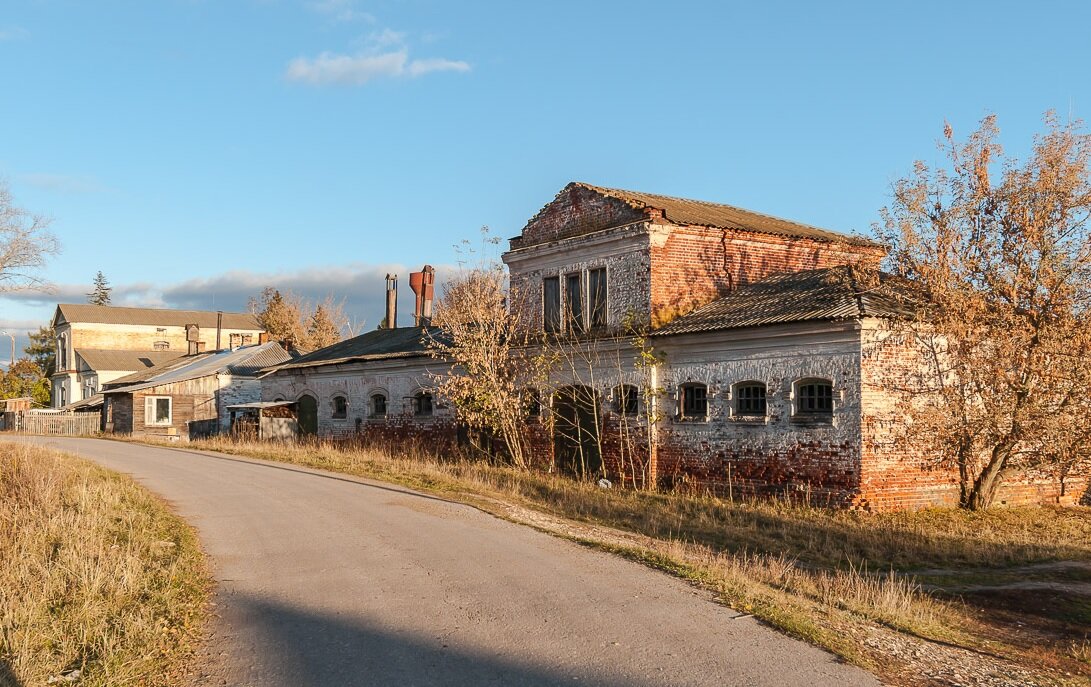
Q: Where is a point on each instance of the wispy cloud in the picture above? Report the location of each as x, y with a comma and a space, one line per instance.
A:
63, 183
13, 33
361, 286
385, 55
342, 11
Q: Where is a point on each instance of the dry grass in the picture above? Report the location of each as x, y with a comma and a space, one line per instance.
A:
97, 576
845, 581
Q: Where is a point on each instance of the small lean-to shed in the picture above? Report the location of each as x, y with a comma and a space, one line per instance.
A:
189, 397
265, 420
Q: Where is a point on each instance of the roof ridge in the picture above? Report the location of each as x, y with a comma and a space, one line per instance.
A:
610, 191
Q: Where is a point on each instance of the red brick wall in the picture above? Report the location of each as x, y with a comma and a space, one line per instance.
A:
899, 472
695, 265
813, 472
576, 210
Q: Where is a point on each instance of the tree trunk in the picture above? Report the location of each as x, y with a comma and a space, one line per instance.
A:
984, 488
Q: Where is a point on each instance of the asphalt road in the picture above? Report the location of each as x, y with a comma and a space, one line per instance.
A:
331, 580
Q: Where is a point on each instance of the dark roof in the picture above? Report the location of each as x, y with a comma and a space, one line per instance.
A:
833, 293
247, 361
110, 314
704, 213
402, 342
124, 361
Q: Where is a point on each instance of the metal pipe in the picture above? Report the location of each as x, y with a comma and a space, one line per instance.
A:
219, 326
391, 301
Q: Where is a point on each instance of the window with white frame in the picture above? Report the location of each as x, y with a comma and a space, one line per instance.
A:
158, 411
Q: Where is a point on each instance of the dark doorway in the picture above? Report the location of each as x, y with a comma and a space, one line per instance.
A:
576, 431
308, 414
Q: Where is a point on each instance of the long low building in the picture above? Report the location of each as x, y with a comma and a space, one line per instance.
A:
764, 370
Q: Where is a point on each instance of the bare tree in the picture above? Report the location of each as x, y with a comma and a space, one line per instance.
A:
485, 338
25, 243
1002, 253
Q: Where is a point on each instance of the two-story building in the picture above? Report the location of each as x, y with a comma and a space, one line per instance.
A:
701, 344
97, 344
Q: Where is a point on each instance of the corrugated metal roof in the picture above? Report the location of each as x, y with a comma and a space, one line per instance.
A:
721, 216
245, 361
124, 361
403, 342
833, 293
109, 314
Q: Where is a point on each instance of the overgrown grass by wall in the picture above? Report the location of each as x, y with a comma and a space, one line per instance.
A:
96, 576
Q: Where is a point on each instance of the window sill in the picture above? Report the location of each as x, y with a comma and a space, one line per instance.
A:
811, 420
749, 419
692, 420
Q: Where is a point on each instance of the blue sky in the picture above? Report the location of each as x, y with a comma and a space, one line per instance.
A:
195, 151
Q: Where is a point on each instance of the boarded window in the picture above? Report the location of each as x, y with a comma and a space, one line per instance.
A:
694, 402
750, 398
551, 300
627, 399
340, 407
596, 295
378, 405
573, 303
161, 345
157, 411
814, 397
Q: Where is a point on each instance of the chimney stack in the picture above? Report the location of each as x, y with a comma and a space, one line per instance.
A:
219, 327
391, 301
423, 285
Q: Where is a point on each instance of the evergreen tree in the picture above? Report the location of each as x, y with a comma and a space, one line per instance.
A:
100, 295
42, 350
321, 331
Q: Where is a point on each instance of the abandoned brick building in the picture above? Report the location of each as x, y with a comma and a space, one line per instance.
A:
759, 365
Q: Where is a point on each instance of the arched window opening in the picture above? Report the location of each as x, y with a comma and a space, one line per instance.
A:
694, 401
750, 399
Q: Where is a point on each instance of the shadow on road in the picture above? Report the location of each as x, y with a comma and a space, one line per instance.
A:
302, 647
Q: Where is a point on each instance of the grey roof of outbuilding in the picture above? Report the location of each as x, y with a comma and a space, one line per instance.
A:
402, 342
247, 361
110, 314
721, 216
834, 293
124, 361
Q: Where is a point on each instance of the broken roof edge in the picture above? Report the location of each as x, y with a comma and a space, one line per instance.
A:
774, 225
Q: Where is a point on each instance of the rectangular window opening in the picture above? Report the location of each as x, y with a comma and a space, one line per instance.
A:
573, 303
551, 300
596, 291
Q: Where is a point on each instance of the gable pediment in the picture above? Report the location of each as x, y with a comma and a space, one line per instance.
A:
577, 210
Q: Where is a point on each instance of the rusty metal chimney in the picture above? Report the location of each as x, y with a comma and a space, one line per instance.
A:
422, 284
391, 301
219, 327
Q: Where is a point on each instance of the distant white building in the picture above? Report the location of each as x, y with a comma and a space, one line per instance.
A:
97, 344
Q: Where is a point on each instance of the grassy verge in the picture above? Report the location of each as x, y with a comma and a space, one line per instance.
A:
842, 580
97, 576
